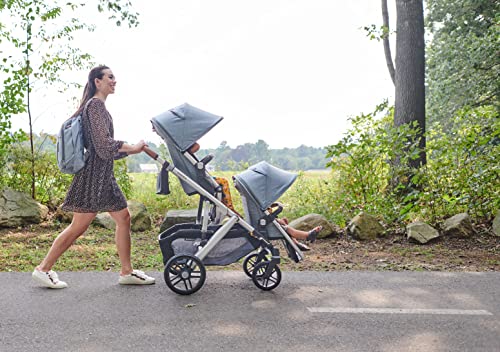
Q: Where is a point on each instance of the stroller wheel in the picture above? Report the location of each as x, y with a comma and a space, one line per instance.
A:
184, 274
264, 281
249, 264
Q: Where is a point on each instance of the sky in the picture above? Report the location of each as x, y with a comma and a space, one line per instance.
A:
289, 72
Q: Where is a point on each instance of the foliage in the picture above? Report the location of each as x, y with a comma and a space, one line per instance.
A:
36, 47
462, 178
462, 56
465, 177
51, 183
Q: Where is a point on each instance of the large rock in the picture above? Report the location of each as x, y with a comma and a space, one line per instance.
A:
421, 232
174, 217
365, 227
140, 219
310, 221
19, 209
496, 224
458, 225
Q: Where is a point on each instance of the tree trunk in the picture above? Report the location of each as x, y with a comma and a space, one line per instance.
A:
387, 45
410, 69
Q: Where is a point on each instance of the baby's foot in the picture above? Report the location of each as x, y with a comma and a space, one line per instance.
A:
314, 233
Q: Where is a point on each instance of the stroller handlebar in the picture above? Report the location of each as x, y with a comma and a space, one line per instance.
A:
151, 153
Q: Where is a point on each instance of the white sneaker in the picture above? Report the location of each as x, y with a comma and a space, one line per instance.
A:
48, 279
136, 277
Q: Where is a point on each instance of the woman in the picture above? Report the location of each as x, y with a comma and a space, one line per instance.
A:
94, 188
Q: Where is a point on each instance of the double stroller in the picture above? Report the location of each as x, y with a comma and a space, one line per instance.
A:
219, 236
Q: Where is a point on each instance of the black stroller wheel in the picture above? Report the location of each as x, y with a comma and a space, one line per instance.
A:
249, 264
184, 274
266, 282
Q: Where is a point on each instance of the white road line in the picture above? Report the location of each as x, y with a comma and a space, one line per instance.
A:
397, 311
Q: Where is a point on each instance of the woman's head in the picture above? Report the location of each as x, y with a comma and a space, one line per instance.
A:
100, 79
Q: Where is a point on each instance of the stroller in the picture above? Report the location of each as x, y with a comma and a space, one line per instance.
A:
219, 236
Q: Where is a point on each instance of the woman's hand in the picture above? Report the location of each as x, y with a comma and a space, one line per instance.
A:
139, 146
133, 149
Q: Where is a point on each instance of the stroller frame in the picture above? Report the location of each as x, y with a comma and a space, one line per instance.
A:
185, 274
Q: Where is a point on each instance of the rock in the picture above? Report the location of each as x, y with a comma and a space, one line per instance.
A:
19, 209
310, 221
141, 221
458, 225
139, 216
496, 224
63, 216
421, 232
174, 217
365, 227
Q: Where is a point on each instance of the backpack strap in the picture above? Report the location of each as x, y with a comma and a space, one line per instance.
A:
85, 142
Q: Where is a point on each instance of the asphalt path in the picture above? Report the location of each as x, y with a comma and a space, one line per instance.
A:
309, 311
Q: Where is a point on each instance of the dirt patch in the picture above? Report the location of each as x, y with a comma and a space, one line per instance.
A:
478, 253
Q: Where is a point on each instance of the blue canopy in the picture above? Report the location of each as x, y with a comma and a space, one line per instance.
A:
265, 183
184, 125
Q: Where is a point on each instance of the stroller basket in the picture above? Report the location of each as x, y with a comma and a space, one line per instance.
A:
185, 239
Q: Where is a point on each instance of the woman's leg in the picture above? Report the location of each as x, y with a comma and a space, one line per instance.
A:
122, 239
78, 226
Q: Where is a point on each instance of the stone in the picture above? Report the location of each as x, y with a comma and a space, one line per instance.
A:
177, 216
19, 209
141, 220
496, 224
365, 227
310, 221
63, 216
458, 225
139, 217
421, 232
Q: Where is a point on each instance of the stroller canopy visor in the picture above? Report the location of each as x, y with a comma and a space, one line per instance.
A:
184, 125
265, 183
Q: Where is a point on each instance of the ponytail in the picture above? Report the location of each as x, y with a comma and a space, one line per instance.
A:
90, 88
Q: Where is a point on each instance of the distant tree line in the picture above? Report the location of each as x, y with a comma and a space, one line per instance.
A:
241, 157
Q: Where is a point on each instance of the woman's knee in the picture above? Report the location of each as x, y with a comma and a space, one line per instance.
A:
121, 217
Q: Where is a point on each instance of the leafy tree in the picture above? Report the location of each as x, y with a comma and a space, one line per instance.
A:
462, 58
38, 47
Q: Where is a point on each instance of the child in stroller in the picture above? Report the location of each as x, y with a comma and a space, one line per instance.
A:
309, 236
219, 236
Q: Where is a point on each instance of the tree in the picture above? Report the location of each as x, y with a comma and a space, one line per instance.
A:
410, 70
462, 58
38, 43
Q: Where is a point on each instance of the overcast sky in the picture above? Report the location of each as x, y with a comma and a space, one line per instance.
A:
289, 72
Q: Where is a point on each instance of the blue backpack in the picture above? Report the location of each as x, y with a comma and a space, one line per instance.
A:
70, 146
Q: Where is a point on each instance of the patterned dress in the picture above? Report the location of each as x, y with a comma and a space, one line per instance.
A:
94, 188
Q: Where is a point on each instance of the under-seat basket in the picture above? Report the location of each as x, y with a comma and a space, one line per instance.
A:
186, 238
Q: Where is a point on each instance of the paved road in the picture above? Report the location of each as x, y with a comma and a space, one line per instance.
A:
309, 311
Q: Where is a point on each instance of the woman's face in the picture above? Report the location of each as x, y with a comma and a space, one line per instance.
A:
107, 83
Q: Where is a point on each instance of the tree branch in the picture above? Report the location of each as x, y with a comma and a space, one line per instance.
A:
387, 46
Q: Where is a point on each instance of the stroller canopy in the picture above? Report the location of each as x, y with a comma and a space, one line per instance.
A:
184, 125
265, 183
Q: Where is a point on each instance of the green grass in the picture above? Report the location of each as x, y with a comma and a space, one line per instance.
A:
24, 249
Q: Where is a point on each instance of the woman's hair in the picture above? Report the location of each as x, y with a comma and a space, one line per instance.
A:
90, 87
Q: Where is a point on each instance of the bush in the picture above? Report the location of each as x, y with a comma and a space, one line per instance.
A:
50, 183
462, 171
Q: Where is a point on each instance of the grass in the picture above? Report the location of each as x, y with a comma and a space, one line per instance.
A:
95, 251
